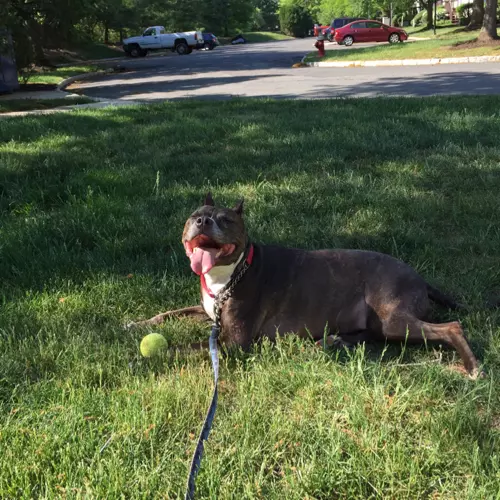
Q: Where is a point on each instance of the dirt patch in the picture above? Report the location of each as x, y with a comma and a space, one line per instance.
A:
474, 44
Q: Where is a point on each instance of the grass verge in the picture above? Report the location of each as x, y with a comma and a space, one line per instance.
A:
57, 75
448, 45
7, 106
92, 208
258, 37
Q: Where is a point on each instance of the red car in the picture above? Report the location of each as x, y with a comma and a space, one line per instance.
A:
369, 31
317, 29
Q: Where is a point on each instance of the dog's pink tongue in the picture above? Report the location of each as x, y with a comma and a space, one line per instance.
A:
203, 260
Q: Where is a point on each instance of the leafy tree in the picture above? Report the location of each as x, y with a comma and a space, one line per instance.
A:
295, 19
228, 16
269, 12
311, 6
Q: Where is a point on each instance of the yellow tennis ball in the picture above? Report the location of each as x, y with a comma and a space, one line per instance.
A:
152, 344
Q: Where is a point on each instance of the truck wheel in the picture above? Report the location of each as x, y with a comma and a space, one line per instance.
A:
135, 51
182, 48
143, 53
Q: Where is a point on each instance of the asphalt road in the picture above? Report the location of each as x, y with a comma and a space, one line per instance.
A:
265, 70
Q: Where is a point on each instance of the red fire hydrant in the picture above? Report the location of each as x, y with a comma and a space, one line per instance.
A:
320, 44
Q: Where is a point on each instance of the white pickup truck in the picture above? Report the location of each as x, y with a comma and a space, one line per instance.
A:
156, 38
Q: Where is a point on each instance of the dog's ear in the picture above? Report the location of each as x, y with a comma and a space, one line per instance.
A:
239, 207
209, 201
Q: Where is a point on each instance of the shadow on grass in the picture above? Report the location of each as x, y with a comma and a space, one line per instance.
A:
92, 191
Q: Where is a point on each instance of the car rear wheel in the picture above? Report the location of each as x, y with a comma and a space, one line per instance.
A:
211, 46
394, 38
182, 48
348, 40
330, 37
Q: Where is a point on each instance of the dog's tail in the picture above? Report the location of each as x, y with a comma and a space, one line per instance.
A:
442, 299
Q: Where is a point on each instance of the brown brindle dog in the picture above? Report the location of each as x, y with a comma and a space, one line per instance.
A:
356, 295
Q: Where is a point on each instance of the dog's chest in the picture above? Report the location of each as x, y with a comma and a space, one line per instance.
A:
216, 279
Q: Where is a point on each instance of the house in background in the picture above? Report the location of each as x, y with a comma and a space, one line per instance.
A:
451, 8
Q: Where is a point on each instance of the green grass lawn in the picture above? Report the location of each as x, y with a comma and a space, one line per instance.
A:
6, 106
57, 75
443, 29
441, 46
258, 37
91, 215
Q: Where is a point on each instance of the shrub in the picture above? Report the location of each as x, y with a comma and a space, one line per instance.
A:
295, 20
464, 12
442, 14
420, 18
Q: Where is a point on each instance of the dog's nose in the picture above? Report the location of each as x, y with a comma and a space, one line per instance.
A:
203, 221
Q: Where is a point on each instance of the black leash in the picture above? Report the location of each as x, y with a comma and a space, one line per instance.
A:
220, 299
205, 430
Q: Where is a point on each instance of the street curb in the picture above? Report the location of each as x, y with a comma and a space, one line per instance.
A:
84, 76
402, 62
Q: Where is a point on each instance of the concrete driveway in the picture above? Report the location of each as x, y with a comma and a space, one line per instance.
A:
265, 70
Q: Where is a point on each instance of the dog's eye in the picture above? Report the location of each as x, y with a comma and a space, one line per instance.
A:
224, 220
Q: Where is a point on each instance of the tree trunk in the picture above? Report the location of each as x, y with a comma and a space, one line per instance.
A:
430, 11
489, 29
476, 19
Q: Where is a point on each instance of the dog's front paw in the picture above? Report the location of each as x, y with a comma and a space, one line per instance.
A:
131, 325
335, 342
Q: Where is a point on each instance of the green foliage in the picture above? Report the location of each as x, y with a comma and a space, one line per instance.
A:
442, 14
269, 11
420, 18
311, 6
464, 12
225, 17
295, 19
330, 9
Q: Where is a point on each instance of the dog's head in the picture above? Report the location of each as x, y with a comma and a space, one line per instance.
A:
214, 236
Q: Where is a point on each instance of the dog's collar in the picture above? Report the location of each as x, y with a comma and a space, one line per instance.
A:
203, 281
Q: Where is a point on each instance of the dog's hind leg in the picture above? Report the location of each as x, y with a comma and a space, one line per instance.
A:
196, 312
401, 326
